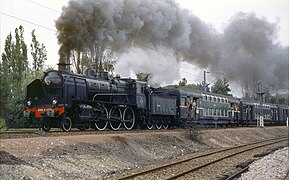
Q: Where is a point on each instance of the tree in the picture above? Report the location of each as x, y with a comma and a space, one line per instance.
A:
143, 76
196, 86
84, 43
183, 82
221, 87
14, 69
38, 52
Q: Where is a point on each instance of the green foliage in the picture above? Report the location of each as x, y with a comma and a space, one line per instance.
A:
2, 124
196, 86
183, 82
221, 87
14, 68
278, 100
38, 52
143, 76
15, 73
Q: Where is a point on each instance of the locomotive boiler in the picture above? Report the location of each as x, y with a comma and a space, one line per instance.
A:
67, 100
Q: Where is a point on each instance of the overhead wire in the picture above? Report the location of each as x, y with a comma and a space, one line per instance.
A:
28, 21
44, 6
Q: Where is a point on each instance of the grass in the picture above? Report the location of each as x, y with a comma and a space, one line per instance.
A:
2, 124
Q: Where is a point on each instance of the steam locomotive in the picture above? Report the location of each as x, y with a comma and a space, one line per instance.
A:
66, 100
93, 100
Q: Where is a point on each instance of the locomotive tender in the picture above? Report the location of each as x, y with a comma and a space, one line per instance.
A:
66, 100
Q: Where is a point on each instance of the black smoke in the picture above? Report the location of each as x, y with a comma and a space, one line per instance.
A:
155, 36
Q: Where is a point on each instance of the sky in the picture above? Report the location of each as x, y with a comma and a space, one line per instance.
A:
41, 15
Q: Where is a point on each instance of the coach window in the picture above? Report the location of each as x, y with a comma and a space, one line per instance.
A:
225, 113
218, 99
206, 98
205, 112
222, 112
222, 100
183, 101
214, 99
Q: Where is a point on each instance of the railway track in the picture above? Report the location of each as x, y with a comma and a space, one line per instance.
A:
33, 132
194, 167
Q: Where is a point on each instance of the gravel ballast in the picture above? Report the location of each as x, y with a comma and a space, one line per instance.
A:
99, 156
270, 167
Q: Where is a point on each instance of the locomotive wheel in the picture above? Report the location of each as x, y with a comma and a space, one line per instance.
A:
115, 118
66, 124
81, 128
165, 125
150, 126
158, 124
45, 127
86, 126
128, 118
101, 124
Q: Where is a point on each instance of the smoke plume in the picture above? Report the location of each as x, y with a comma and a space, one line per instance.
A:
155, 36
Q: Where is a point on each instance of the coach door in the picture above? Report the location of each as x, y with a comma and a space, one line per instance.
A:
196, 108
183, 107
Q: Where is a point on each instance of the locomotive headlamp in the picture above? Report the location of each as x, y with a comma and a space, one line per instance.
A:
54, 102
29, 103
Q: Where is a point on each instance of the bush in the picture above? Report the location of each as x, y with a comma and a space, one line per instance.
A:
2, 124
194, 133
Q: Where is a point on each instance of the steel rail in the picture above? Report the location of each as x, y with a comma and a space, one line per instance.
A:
133, 175
237, 174
220, 159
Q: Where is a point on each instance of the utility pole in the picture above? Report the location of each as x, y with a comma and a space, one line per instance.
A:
260, 93
205, 83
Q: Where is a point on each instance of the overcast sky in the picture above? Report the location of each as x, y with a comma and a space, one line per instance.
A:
35, 13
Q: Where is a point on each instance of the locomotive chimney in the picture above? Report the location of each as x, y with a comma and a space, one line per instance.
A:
64, 63
64, 67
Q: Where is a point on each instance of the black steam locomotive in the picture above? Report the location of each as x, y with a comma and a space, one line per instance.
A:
67, 100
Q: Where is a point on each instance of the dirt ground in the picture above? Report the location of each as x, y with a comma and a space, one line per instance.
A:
101, 155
